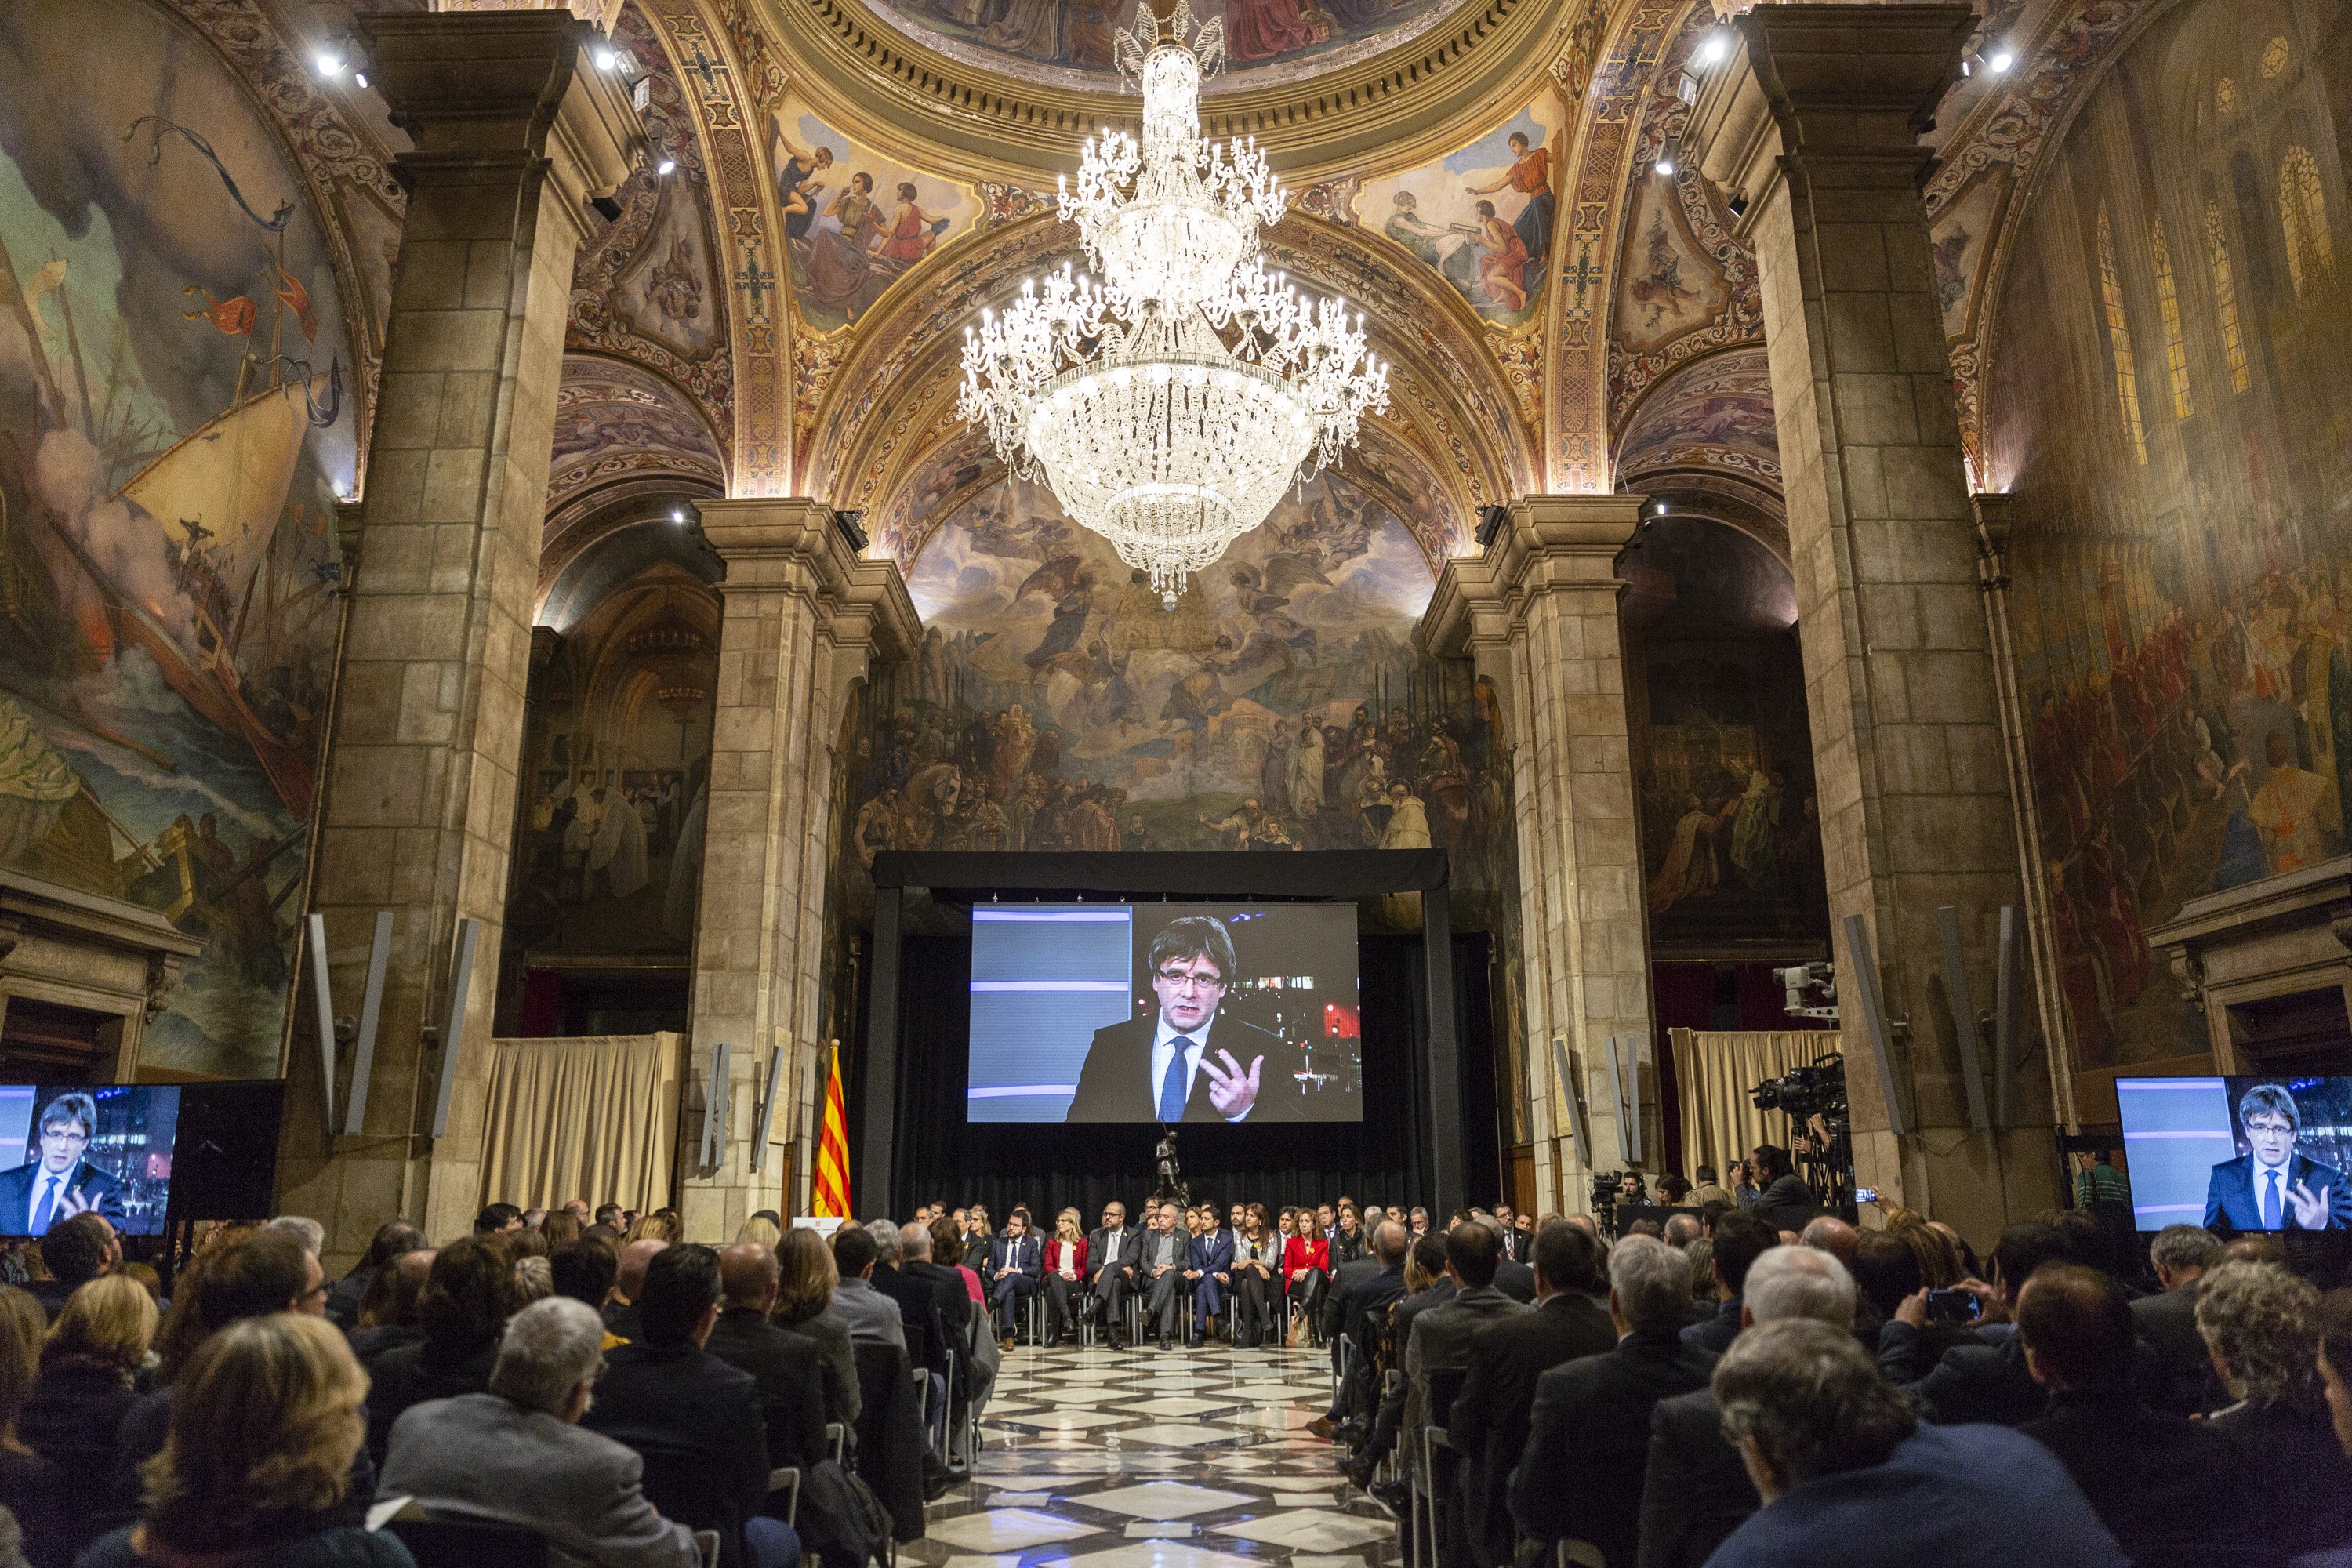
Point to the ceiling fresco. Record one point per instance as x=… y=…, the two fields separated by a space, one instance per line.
x=617 y=423
x=1716 y=413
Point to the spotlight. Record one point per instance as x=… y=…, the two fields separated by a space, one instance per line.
x=330 y=61
x=605 y=57
x=678 y=514
x=1666 y=164
x=2000 y=60
x=360 y=77
x=667 y=166
x=1714 y=49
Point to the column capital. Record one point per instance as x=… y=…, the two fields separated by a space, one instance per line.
x=1551 y=544
x=792 y=544
x=477 y=89
x=1825 y=81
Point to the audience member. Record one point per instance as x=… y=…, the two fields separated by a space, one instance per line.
x=1513 y=1278
x=1978 y=1381
x=561 y=1227
x=1488 y=1423
x=1360 y=1291
x=805 y=1290
x=1782 y=1200
x=607 y=1224
x=2262 y=1325
x=1739 y=1240
x=2158 y=1482
x=1160 y=1271
x=497 y=1219
x=786 y=1369
x=1850 y=1478
x=1695 y=1489
x=468 y=1293
x=629 y=1279
x=256 y=1466
x=1707 y=1190
x=1681 y=1230
x=872 y=1317
x=392 y=1239
x=2179 y=1254
x=84 y=1390
x=1439 y=1340
x=392 y=1313
x=585 y=1271
x=693 y=1417
x=75 y=1250
x=919 y=1309
x=307 y=1232
x=517 y=1454
x=1589 y=1430
x=31 y=1487
x=1111 y=1252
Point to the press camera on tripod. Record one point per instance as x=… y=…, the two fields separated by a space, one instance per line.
x=1821 y=1130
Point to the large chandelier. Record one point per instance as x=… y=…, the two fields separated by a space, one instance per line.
x=1169 y=398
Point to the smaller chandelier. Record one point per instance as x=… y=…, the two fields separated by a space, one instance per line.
x=1168 y=401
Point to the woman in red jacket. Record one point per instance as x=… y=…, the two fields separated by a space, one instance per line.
x=1306 y=1270
x=1065 y=1274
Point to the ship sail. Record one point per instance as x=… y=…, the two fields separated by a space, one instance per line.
x=230 y=478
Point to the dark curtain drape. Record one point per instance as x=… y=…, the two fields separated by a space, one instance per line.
x=1383 y=1159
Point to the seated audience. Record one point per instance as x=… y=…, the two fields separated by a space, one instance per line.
x=256 y=1464
x=1739 y=1240
x=786 y=1368
x=1589 y=1431
x=1695 y=1489
x=309 y=1232
x=392 y=1313
x=629 y=1277
x=497 y=1219
x=2158 y=1482
x=2262 y=1325
x=1513 y=1278
x=919 y=1307
x=517 y=1454
x=585 y=1271
x=804 y=1303
x=1980 y=1380
x=31 y=1487
x=872 y=1317
x=1440 y=1339
x=1849 y=1478
x=468 y=1293
x=93 y=1351
x=1488 y=1423
x=694 y=1419
x=77 y=1250
x=2179 y=1254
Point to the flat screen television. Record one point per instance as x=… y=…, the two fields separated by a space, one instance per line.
x=2241 y=1153
x=69 y=1148
x=1232 y=1012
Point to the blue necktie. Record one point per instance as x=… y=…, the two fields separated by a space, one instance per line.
x=2271 y=1204
x=1171 y=1087
x=48 y=1207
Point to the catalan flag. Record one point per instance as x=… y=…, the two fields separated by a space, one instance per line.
x=832 y=1195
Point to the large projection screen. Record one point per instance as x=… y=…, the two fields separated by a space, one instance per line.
x=1072 y=1021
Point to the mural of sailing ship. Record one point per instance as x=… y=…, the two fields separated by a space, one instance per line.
x=168 y=578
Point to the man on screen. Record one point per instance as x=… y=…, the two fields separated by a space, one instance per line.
x=60 y=1183
x=2274 y=1188
x=1165 y=1066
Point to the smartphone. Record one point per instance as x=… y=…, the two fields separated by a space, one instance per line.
x=1953 y=1307
x=1865 y=1194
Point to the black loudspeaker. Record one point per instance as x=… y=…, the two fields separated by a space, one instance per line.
x=1492 y=521
x=224 y=1154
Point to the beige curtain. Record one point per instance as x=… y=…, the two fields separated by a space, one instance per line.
x=593 y=1118
x=1714 y=1072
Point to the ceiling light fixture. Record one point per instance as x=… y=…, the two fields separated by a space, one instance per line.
x=1666 y=164
x=330 y=61
x=666 y=167
x=1715 y=48
x=2001 y=59
x=1169 y=402
x=605 y=57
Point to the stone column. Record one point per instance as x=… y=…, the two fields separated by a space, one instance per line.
x=513 y=136
x=1536 y=613
x=805 y=617
x=1815 y=122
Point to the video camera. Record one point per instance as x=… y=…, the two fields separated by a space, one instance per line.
x=1806 y=1092
x=1823 y=1153
x=1800 y=978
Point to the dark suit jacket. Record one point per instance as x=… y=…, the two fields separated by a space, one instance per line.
x=1130 y=1250
x=1489 y=1420
x=1115 y=1084
x=1986 y=1382
x=1517 y=1280
x=2299 y=1484
x=1714 y=1332
x=1363 y=1288
x=1003 y=1252
x=788 y=1371
x=2186 y=1383
x=696 y=1422
x=1588 y=1442
x=104 y=1193
x=415 y=1373
x=2157 y=1482
x=1214 y=1253
x=919 y=1309
x=70 y=1420
x=1696 y=1490
x=2230 y=1196
x=954 y=1302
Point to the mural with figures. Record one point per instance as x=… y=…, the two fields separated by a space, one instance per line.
x=2182 y=555
x=1056 y=705
x=855 y=220
x=1483 y=217
x=176 y=425
x=1731 y=843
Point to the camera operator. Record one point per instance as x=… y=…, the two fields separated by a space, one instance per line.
x=1785 y=1203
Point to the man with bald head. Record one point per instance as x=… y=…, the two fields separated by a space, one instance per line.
x=786 y=1368
x=1357 y=1304
x=621 y=1318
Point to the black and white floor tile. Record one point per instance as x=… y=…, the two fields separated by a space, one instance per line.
x=1145 y=1459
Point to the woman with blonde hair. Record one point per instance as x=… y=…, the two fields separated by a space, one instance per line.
x=761 y=1229
x=31 y=1487
x=96 y=1347
x=804 y=1286
x=257 y=1468
x=662 y=1224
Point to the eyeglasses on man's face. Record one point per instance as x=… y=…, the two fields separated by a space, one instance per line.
x=1178 y=980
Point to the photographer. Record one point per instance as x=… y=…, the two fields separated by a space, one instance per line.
x=1785 y=1203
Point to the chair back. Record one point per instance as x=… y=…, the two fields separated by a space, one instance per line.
x=458 y=1543
x=1445 y=1384
x=891 y=1439
x=689 y=1488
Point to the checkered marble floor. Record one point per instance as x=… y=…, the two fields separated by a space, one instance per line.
x=1184 y=1459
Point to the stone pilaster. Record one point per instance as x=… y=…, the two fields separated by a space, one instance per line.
x=805 y=617
x=1815 y=124
x=1537 y=614
x=514 y=134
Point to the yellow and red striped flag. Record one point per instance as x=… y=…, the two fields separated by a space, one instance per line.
x=832 y=1196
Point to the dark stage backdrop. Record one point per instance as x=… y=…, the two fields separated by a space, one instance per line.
x=1383 y=1159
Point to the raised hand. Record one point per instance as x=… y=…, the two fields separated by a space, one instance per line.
x=2310 y=1212
x=1232 y=1092
x=77 y=1201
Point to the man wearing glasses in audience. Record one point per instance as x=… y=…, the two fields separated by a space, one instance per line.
x=1183 y=1061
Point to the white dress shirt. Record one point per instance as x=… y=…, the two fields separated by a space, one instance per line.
x=1112 y=1241
x=1164 y=1049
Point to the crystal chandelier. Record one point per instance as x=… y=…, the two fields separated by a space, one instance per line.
x=1168 y=399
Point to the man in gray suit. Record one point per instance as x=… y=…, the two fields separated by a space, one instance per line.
x=1161 y=1270
x=1441 y=1336
x=517 y=1454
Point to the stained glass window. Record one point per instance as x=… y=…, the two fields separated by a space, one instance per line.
x=2168 y=305
x=2111 y=290
x=2274 y=58
x=2302 y=214
x=2225 y=97
x=2225 y=297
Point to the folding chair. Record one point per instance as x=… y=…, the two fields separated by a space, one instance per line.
x=786 y=1479
x=706 y=1542
x=1444 y=1384
x=449 y=1542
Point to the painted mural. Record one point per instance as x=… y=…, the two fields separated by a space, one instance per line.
x=1731 y=845
x=176 y=427
x=855 y=220
x=616 y=754
x=1482 y=217
x=615 y=420
x=1069 y=42
x=2182 y=559
x=1716 y=413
